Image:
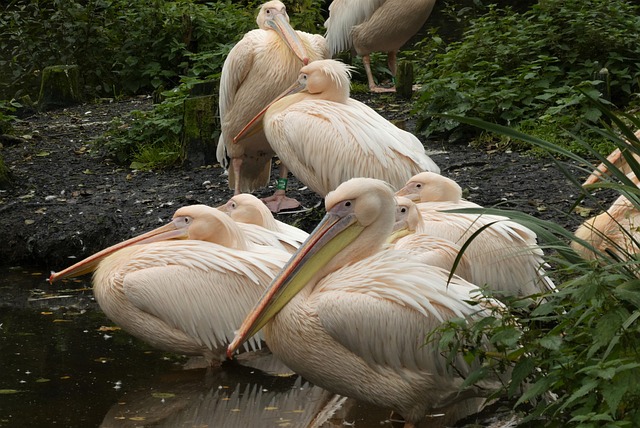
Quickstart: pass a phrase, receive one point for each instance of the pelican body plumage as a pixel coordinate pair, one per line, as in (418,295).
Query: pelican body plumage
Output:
(185,286)
(325,137)
(367,26)
(353,319)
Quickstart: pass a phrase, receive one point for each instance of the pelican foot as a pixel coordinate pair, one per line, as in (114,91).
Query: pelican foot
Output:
(380,89)
(278,203)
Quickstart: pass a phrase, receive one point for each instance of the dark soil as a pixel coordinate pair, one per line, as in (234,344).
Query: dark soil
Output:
(67,202)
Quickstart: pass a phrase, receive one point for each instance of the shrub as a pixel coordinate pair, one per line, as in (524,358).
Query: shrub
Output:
(525,69)
(574,358)
(122,47)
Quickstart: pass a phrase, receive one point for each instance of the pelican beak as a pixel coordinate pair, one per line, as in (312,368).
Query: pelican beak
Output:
(286,32)
(400,229)
(255,125)
(166,232)
(406,192)
(330,237)
(602,170)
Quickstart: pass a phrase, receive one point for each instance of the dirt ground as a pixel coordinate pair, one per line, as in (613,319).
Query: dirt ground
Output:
(67,203)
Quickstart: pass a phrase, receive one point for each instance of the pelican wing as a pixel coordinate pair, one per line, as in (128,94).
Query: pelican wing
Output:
(201,288)
(394,301)
(343,16)
(326,143)
(235,70)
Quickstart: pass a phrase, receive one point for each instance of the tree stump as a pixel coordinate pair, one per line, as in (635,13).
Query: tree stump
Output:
(404,80)
(200,126)
(59,87)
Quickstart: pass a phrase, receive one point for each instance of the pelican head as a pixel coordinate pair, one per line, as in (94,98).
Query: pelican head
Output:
(360,216)
(246,208)
(431,187)
(198,222)
(408,218)
(325,79)
(273,16)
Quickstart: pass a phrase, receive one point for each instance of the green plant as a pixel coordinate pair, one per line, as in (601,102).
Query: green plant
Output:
(7,108)
(533,69)
(122,47)
(573,359)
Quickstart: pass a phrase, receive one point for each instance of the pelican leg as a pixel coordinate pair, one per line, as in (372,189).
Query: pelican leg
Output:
(279,201)
(236,163)
(366,60)
(391,63)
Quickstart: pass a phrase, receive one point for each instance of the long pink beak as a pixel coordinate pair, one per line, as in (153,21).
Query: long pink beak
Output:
(166,232)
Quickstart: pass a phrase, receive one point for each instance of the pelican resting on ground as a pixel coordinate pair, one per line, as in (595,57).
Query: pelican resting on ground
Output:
(258,68)
(433,250)
(257,221)
(326,138)
(367,26)
(505,256)
(617,231)
(353,319)
(185,286)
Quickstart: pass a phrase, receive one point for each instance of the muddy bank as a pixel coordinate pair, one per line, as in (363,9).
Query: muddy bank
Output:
(67,203)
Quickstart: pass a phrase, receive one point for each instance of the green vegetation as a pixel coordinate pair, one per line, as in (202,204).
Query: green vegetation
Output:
(574,358)
(533,70)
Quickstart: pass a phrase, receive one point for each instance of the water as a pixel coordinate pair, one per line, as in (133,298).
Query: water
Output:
(63,364)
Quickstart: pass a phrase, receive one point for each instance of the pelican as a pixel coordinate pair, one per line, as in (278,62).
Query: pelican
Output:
(617,230)
(257,221)
(367,26)
(504,256)
(618,160)
(183,287)
(433,250)
(353,319)
(326,138)
(257,69)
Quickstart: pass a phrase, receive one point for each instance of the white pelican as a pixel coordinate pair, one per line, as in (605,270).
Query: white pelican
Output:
(353,319)
(326,138)
(618,160)
(367,26)
(433,250)
(505,256)
(258,68)
(617,230)
(185,286)
(257,221)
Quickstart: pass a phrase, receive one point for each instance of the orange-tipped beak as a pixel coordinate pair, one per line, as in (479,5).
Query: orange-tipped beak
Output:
(166,232)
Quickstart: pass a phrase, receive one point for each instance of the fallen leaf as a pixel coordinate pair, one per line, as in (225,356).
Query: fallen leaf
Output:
(163,395)
(42,154)
(28,222)
(8,391)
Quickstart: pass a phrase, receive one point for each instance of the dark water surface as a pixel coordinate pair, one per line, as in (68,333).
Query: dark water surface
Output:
(62,364)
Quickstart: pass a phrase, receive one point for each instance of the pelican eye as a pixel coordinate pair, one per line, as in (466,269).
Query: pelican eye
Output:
(403,210)
(347,204)
(418,185)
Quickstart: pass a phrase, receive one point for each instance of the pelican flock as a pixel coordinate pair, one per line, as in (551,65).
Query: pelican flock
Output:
(350,306)
(326,138)
(367,26)
(258,68)
(354,319)
(184,287)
